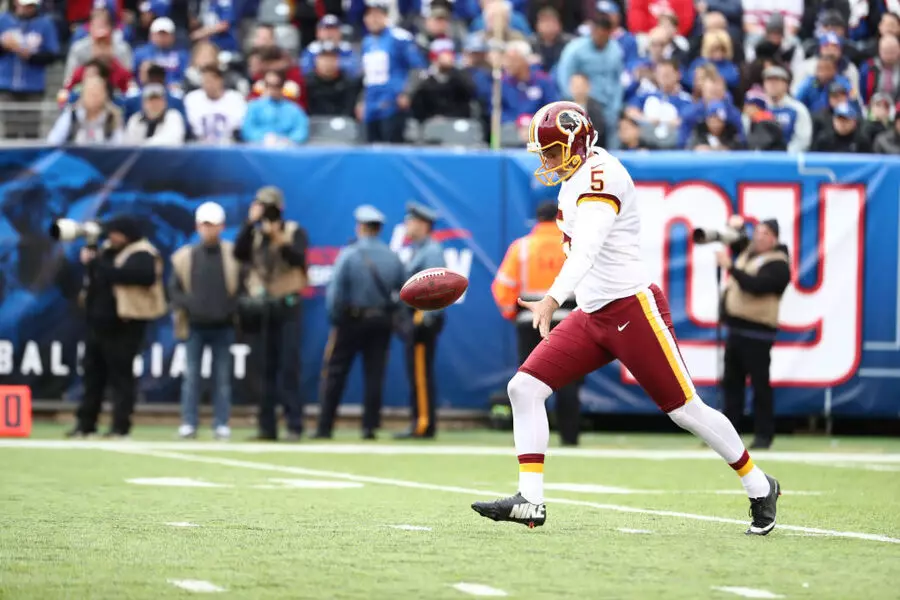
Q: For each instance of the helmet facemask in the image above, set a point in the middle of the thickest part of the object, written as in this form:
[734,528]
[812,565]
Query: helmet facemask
[551,176]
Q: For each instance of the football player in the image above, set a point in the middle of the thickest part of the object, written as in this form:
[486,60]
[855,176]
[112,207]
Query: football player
[621,315]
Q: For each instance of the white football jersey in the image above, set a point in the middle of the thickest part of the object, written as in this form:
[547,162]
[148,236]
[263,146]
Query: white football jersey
[618,271]
[215,121]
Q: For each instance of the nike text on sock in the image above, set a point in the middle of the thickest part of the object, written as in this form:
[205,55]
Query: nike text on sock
[752,477]
[531,477]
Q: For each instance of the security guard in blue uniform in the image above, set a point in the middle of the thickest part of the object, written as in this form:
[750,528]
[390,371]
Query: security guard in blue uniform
[420,349]
[361,298]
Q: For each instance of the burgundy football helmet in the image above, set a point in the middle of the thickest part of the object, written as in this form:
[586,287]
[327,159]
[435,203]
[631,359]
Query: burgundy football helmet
[567,125]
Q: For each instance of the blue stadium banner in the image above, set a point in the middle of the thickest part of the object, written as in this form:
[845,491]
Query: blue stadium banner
[838,353]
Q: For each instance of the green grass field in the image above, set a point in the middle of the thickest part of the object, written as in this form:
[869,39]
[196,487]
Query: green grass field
[630,516]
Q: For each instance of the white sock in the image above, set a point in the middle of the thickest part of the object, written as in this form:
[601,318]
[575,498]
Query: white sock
[531,432]
[717,431]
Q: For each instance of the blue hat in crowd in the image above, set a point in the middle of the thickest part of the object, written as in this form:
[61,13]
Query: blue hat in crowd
[476,43]
[608,8]
[717,109]
[420,211]
[756,98]
[330,21]
[368,214]
[846,110]
[829,38]
[160,8]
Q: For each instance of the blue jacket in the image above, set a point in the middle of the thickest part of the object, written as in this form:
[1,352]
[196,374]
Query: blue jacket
[727,69]
[527,97]
[132,105]
[219,11]
[604,70]
[628,43]
[814,95]
[174,61]
[483,80]
[283,118]
[39,35]
[352,284]
[348,59]
[387,59]
[696,113]
[681,101]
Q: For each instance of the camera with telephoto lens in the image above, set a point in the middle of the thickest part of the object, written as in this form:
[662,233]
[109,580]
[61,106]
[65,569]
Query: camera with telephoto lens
[706,236]
[272,213]
[67,230]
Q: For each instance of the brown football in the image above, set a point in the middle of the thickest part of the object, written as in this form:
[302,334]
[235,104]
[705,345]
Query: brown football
[433,289]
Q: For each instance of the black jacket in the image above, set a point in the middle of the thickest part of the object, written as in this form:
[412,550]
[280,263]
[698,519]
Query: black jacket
[444,94]
[772,278]
[293,254]
[766,136]
[332,97]
[829,141]
[102,274]
[730,137]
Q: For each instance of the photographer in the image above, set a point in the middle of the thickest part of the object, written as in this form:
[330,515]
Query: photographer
[272,252]
[122,292]
[759,275]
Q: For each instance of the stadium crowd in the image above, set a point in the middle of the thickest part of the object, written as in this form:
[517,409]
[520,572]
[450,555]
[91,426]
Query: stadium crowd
[820,75]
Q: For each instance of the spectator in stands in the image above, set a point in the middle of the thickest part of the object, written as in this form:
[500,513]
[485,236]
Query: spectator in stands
[786,49]
[630,134]
[644,15]
[715,132]
[95,68]
[116,74]
[838,93]
[111,8]
[273,120]
[757,14]
[78,12]
[524,90]
[445,91]
[218,24]
[712,92]
[879,118]
[571,14]
[830,45]
[438,24]
[882,73]
[101,42]
[91,120]
[813,92]
[388,56]
[162,51]
[717,50]
[889,25]
[329,30]
[476,65]
[637,80]
[763,133]
[677,45]
[732,11]
[712,22]
[845,133]
[826,21]
[661,110]
[273,58]
[138,33]
[156,124]
[331,91]
[889,141]
[28,43]
[206,54]
[622,36]
[661,47]
[790,113]
[155,74]
[601,61]
[499,15]
[215,114]
[549,39]
[580,94]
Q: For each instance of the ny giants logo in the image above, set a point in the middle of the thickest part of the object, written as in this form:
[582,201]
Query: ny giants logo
[828,313]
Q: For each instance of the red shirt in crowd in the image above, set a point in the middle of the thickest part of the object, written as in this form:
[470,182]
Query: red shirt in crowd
[643,15]
[294,86]
[78,11]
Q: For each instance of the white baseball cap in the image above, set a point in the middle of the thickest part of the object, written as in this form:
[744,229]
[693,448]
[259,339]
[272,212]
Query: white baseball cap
[162,24]
[210,212]
[29,2]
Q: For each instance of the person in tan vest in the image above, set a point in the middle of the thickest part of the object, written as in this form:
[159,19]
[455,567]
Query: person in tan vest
[759,275]
[203,290]
[272,252]
[529,268]
[123,291]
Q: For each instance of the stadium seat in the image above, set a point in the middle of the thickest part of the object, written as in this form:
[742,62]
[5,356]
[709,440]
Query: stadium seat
[413,132]
[333,130]
[509,136]
[453,132]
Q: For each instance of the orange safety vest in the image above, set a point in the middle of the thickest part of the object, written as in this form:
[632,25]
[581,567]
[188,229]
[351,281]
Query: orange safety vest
[529,267]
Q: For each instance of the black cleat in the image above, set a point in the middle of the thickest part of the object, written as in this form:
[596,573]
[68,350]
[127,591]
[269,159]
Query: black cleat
[763,510]
[515,509]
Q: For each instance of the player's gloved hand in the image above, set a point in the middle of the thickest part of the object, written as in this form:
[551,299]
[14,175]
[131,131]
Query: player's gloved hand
[541,313]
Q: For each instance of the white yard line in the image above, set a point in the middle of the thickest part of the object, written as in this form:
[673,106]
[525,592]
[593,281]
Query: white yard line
[410,527]
[196,585]
[228,462]
[748,592]
[175,482]
[478,589]
[182,524]
[635,531]
[825,458]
